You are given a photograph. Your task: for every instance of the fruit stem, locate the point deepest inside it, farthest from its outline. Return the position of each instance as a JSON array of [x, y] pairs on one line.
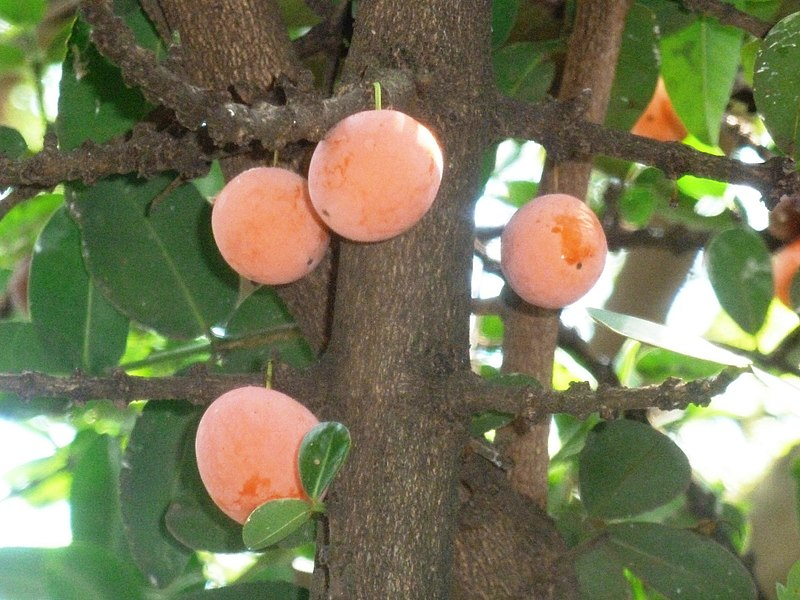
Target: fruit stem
[[377, 87], [268, 378]]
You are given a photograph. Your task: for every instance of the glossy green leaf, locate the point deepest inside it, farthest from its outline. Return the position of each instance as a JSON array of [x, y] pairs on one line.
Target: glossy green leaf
[[263, 317], [740, 271], [790, 591], [94, 103], [80, 571], [523, 70], [637, 69], [669, 338], [19, 228], [322, 453], [679, 563], [274, 590], [627, 468], [151, 251], [22, 12], [12, 144], [776, 83], [699, 65], [192, 517], [271, 522], [70, 314], [504, 14], [148, 481], [657, 364]]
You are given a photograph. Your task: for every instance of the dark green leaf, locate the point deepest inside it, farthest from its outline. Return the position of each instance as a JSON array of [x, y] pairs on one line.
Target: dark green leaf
[[637, 69], [601, 575], [659, 335], [776, 83], [151, 251], [94, 103], [523, 70], [80, 571], [627, 468], [322, 453], [12, 144], [192, 517], [274, 590], [22, 12], [271, 522], [148, 481], [488, 420], [740, 270], [504, 14], [94, 497], [679, 563], [699, 65], [263, 316], [70, 314], [296, 14]]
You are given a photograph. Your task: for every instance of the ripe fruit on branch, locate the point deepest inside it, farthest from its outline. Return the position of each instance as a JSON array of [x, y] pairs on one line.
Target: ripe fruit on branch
[[659, 120], [247, 446], [375, 175], [265, 227], [553, 250], [785, 265]]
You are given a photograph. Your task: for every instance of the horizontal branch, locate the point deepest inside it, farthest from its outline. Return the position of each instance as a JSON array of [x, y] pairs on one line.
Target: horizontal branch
[[198, 387], [303, 117], [565, 136], [535, 404], [728, 14]]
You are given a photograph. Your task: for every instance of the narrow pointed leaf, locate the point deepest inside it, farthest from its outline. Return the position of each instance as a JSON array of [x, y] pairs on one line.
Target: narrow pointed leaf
[[669, 338], [274, 521], [322, 454]]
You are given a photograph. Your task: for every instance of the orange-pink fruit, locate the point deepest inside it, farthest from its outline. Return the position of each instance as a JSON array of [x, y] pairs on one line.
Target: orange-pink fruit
[[785, 265], [247, 448], [375, 175], [553, 250], [659, 120], [265, 227]]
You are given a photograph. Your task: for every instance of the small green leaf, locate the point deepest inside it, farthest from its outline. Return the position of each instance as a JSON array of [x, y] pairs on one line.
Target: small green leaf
[[659, 335], [699, 65], [520, 192], [740, 271], [488, 420], [627, 468], [12, 144], [657, 364], [524, 71], [776, 83], [322, 454], [271, 522], [790, 591], [504, 14], [19, 228], [274, 590], [679, 563]]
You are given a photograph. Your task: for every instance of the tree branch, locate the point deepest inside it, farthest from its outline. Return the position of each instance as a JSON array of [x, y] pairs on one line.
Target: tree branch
[[198, 387], [534, 403], [728, 14], [554, 125], [304, 117]]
